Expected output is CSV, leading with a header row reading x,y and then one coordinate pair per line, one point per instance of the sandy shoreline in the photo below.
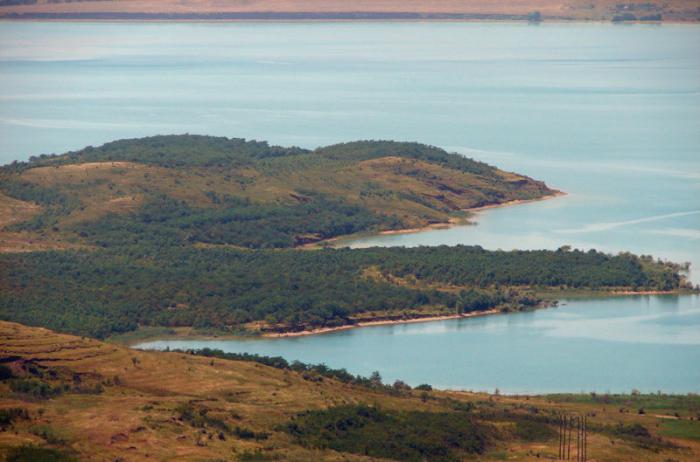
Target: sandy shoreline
x,y
554,195
325,330
383,322
460,221
452,222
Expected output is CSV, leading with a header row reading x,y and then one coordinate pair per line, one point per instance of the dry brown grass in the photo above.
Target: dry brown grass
x,y
15,211
115,423
13,242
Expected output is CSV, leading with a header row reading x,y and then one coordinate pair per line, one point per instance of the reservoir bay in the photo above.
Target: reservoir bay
x,y
608,114
614,344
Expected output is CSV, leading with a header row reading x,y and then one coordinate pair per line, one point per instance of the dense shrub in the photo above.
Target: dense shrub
x,y
38,454
10,414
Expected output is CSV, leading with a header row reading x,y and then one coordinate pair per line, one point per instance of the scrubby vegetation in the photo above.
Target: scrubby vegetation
x,y
200,417
36,388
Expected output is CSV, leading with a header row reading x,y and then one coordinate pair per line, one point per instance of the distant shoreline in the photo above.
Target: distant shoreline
x,y
310,16
195,20
262,16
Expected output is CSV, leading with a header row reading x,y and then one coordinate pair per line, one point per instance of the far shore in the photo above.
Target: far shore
x,y
310,17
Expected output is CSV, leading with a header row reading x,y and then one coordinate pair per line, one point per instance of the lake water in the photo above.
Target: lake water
x,y
616,344
609,114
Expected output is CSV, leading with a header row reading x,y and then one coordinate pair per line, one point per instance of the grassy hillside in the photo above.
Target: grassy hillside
x,y
78,399
187,189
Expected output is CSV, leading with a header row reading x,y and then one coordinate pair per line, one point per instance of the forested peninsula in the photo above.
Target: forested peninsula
x,y
103,293
199,232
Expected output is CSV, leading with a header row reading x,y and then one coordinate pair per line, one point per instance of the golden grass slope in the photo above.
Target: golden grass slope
x,y
135,417
16,211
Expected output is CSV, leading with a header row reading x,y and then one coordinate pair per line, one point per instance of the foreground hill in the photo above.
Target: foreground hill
x,y
654,10
65,398
187,189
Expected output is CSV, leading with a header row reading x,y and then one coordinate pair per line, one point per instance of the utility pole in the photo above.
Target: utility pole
x,y
568,448
567,424
561,437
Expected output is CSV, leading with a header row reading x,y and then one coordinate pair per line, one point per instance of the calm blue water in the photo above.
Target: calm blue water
x,y
649,343
609,114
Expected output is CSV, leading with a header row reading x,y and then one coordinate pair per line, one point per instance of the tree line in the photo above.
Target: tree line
x,y
106,292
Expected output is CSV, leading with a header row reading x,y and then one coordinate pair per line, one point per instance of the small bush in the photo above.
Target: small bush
x,y
36,388
253,456
634,430
48,433
248,434
9,415
531,430
5,372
